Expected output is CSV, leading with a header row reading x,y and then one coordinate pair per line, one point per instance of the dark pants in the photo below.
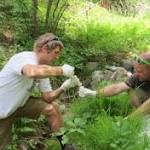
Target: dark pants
x,y
32,109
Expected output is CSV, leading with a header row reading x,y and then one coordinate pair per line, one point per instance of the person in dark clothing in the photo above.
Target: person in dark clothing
x,y
137,85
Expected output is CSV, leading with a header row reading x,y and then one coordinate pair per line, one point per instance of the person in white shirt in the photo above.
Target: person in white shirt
x,y
16,82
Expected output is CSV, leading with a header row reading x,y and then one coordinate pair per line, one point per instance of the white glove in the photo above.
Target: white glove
x,y
77,80
83,92
72,82
68,70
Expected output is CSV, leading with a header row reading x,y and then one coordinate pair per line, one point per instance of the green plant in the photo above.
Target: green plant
x,y
112,134
29,132
72,127
98,123
98,35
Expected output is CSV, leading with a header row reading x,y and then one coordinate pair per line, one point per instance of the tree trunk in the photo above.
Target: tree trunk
x,y
35,18
47,13
105,4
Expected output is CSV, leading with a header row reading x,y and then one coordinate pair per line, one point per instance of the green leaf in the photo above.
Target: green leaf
x,y
27,129
65,139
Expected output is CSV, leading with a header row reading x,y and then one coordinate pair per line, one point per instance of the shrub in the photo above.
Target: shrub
x,y
111,134
98,123
97,35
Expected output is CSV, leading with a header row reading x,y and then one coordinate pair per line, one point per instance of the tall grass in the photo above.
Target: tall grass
x,y
105,127
111,134
99,35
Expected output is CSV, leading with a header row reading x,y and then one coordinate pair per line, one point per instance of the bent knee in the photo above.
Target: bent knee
x,y
51,109
55,105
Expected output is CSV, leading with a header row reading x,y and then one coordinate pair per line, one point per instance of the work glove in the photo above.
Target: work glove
x,y
83,92
70,83
68,70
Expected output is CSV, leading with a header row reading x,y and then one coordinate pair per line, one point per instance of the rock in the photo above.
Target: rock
x,y
98,76
111,68
114,73
91,66
23,146
146,128
120,74
128,65
8,37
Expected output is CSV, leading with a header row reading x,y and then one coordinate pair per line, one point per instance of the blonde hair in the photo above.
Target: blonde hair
x,y
48,40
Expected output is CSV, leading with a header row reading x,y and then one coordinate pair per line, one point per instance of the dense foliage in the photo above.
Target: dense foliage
x,y
105,31
104,37
88,31
98,123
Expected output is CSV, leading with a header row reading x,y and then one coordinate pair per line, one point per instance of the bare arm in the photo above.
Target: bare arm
x,y
50,96
113,89
41,71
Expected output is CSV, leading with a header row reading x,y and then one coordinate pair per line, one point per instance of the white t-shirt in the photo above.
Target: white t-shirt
x,y
14,86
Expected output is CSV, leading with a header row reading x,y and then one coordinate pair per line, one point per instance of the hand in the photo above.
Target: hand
x,y
68,70
83,92
72,82
75,79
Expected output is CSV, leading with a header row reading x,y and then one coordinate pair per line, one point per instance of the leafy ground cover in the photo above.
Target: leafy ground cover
x,y
89,34
100,124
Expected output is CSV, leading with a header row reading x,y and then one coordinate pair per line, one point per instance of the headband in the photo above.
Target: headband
x,y
54,39
140,60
